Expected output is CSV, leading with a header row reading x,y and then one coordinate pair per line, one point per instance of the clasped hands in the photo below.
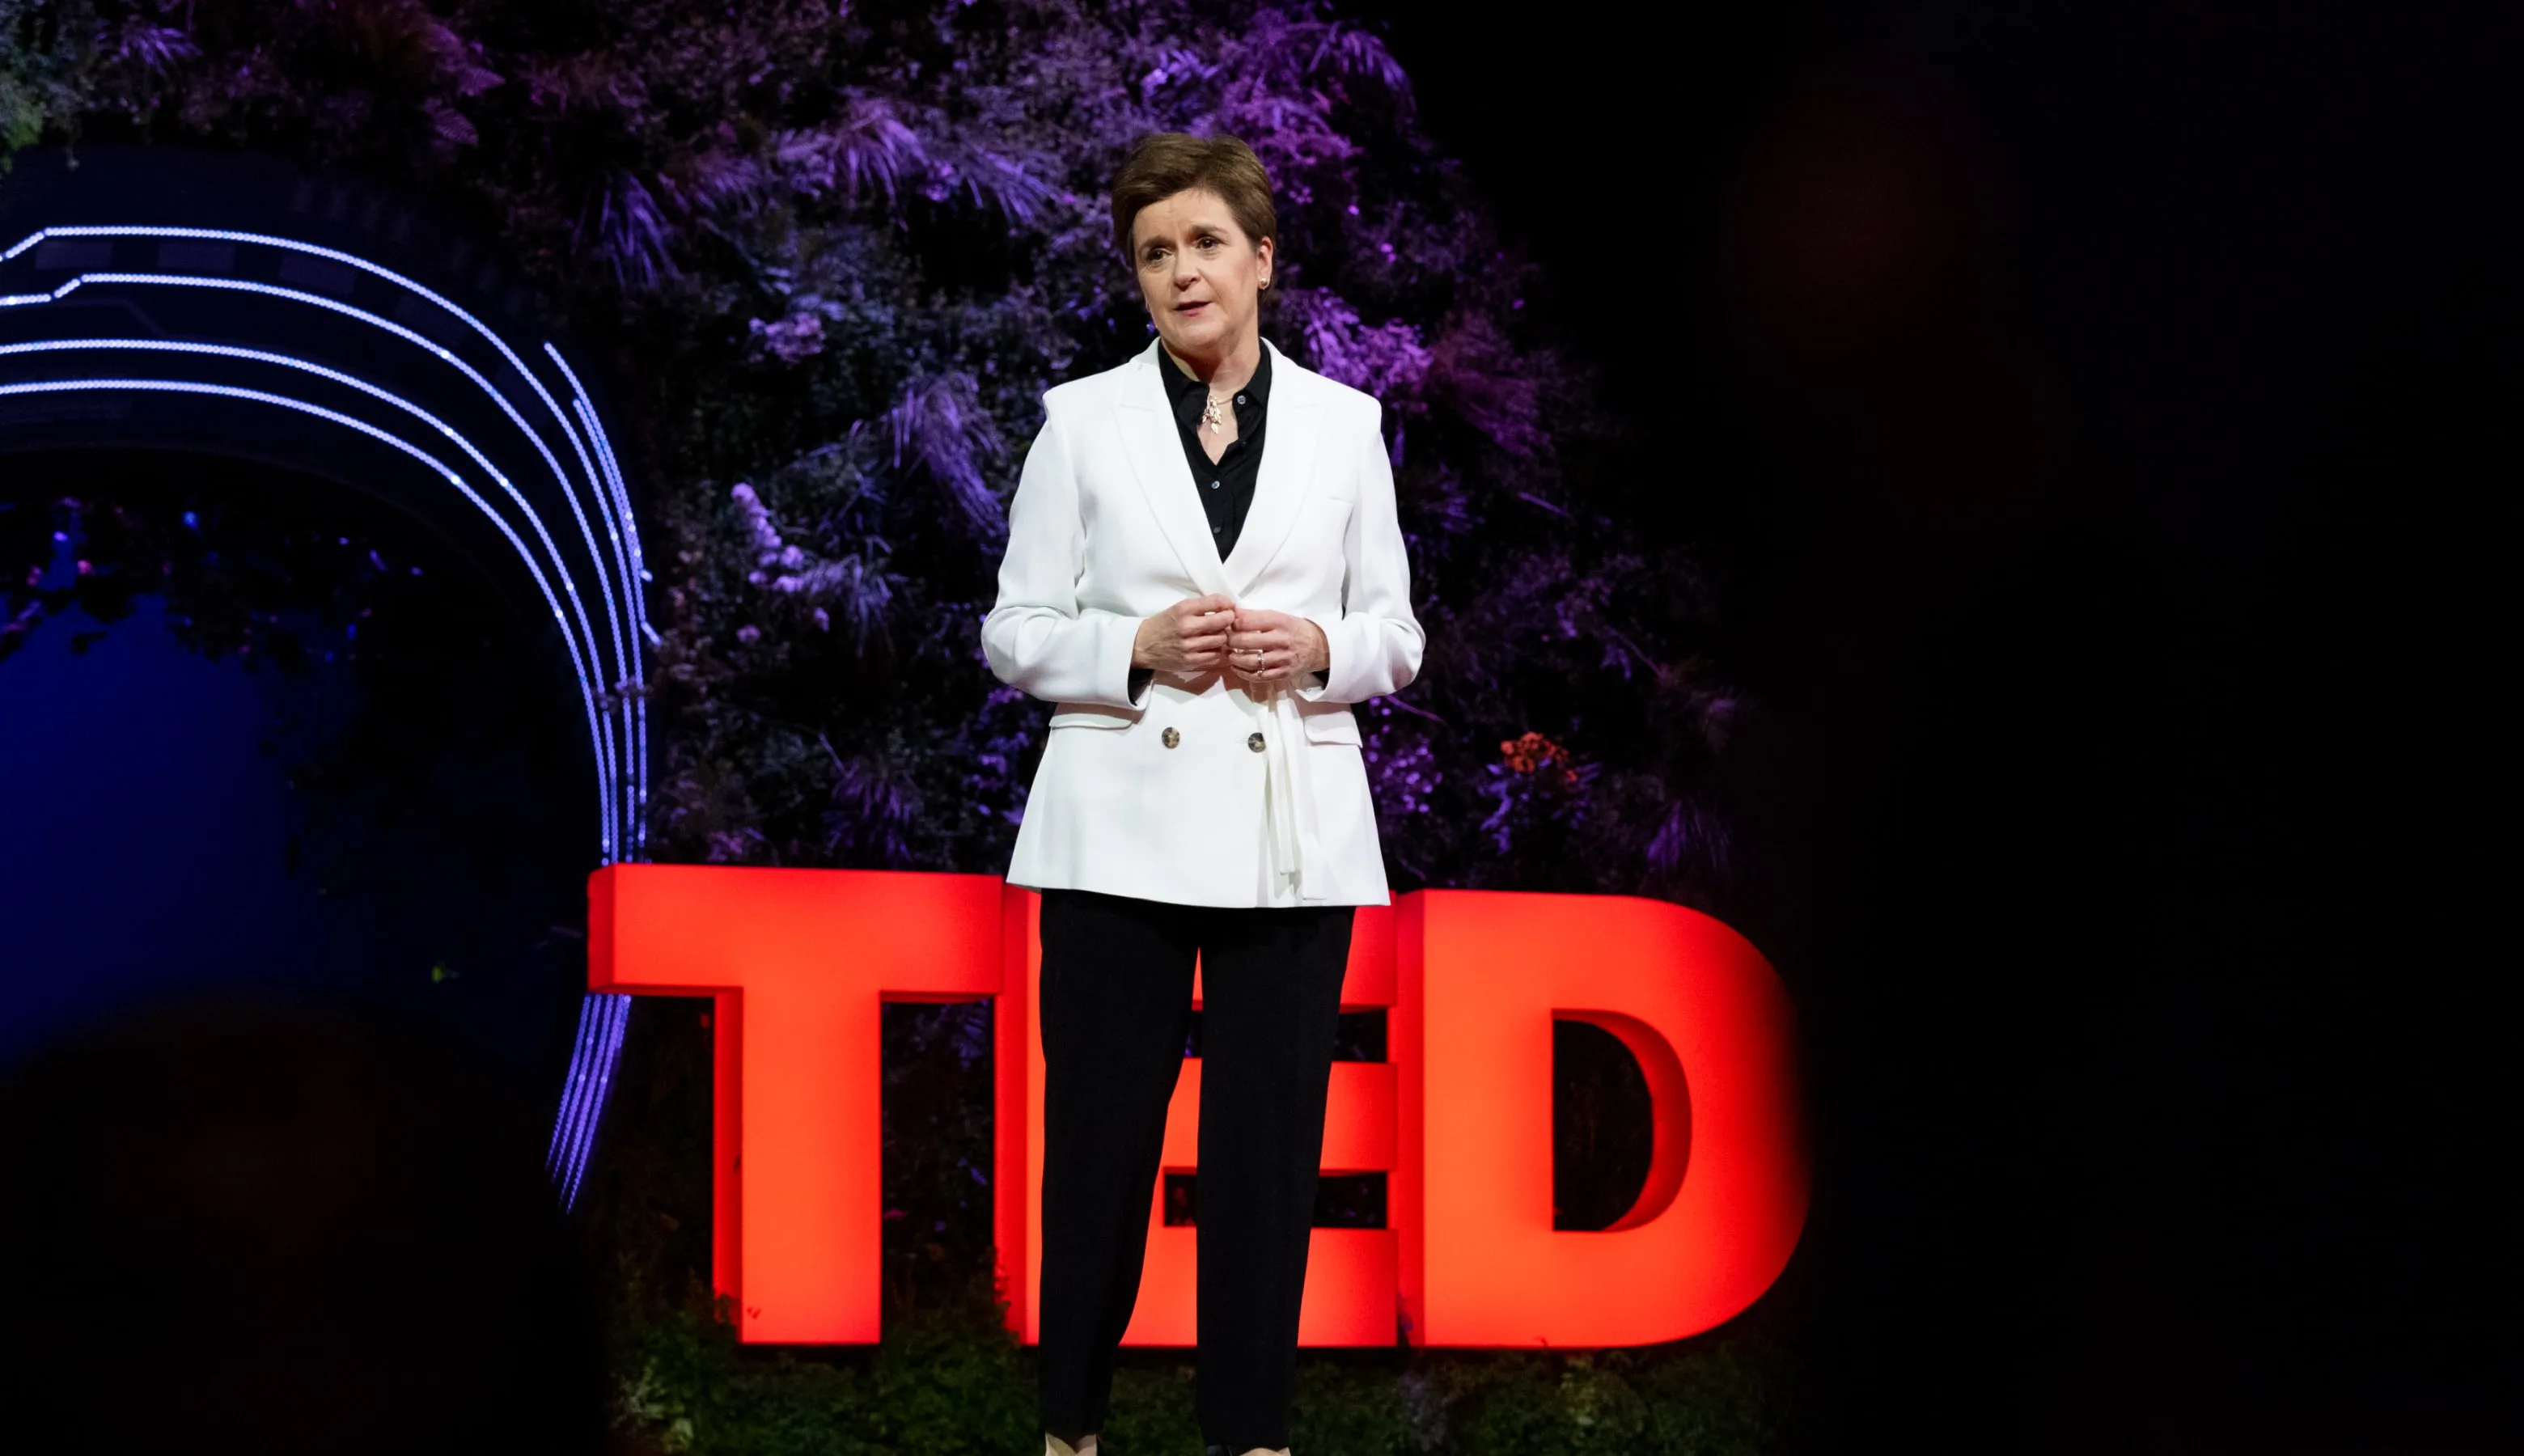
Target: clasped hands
x,y
1206,634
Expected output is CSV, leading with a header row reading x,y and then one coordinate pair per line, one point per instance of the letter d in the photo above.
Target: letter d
x,y
1483,975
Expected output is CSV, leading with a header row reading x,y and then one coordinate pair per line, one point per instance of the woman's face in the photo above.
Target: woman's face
x,y
1200,274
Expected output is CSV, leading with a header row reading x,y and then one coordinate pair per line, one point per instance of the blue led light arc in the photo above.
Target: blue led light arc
x,y
610,785
570,493
601,1020
566,1120
603,785
603,1017
637,704
635,573
627,665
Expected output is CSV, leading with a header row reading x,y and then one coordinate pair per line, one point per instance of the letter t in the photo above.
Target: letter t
x,y
796,962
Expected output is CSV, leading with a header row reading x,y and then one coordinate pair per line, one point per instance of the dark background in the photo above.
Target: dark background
x,y
317,820
2103,418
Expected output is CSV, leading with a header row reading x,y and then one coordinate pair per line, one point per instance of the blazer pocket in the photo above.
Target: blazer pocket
x,y
1333,727
1092,715
1330,507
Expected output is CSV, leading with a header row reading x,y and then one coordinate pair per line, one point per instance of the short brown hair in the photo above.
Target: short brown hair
x,y
1165,163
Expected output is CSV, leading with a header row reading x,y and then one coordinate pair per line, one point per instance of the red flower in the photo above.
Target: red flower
x,y
1533,751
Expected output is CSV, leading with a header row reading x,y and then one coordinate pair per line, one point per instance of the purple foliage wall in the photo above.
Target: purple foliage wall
x,y
834,254
832,258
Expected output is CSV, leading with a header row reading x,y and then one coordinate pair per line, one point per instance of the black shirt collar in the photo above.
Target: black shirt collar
x,y
1188,393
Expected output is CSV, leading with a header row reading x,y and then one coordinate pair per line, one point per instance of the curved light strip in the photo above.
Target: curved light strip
x,y
596,557
601,1017
625,528
603,788
614,1017
607,755
633,705
595,485
639,696
638,571
600,1045
635,574
614,504
635,702
351,260
573,1087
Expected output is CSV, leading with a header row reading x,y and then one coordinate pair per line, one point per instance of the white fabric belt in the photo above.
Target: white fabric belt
x,y
1288,810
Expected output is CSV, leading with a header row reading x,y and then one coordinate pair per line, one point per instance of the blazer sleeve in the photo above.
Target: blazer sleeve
x,y
1375,644
1036,637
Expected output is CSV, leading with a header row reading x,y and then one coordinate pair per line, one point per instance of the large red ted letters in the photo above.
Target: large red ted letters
x,y
1458,1117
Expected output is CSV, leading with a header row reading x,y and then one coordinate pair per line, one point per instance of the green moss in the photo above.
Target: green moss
x,y
956,1382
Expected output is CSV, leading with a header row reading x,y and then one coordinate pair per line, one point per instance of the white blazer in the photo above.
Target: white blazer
x,y
1202,792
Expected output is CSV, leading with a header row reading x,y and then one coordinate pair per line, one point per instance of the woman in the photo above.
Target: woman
x,y
1204,571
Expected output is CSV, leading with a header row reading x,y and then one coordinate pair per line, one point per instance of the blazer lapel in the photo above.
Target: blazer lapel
x,y
1288,444
1149,437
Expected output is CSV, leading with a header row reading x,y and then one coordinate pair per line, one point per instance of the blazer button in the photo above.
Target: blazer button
x,y
1254,742
1170,738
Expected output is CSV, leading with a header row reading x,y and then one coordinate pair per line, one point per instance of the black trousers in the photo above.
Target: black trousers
x,y
1116,1010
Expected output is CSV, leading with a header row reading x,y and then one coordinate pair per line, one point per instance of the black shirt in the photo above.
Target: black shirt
x,y
1225,485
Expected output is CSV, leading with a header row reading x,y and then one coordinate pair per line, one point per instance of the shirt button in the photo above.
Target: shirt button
x,y
1240,399
1214,530
1213,485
